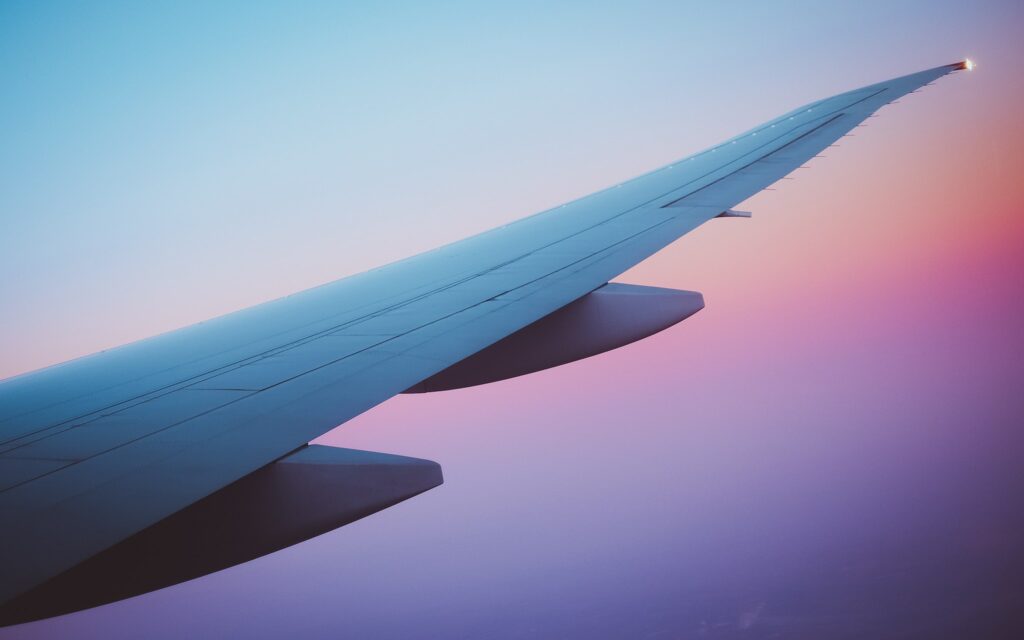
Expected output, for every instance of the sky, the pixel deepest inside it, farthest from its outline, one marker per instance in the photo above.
(831, 448)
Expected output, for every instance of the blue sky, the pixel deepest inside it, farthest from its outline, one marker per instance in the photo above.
(830, 445)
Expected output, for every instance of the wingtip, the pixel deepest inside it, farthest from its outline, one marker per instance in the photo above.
(964, 65)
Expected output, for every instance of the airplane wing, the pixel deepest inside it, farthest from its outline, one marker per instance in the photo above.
(112, 460)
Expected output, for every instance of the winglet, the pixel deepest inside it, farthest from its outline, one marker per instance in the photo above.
(733, 213)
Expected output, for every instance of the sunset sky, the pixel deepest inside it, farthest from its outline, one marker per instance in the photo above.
(832, 444)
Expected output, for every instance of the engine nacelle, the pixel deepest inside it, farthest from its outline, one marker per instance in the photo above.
(605, 319)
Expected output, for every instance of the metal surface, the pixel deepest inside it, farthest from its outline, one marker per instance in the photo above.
(97, 449)
(306, 493)
(611, 317)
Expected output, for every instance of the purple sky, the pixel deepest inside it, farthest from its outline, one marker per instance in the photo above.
(830, 449)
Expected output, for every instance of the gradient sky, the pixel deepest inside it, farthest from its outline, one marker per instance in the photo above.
(830, 449)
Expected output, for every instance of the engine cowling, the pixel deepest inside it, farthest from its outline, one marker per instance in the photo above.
(607, 318)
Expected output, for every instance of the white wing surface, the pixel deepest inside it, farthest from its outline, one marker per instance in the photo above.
(100, 448)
